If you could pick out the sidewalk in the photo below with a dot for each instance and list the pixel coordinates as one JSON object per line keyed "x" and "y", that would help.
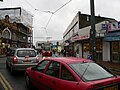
{"x": 114, "y": 67}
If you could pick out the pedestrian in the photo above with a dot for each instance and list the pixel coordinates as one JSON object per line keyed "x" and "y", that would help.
{"x": 7, "y": 51}
{"x": 77, "y": 53}
{"x": 64, "y": 52}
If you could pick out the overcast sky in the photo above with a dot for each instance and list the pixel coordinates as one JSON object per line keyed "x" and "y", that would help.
{"x": 63, "y": 17}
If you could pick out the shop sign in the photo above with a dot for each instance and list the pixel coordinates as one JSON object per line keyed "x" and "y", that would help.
{"x": 104, "y": 26}
{"x": 114, "y": 36}
{"x": 114, "y": 26}
{"x": 117, "y": 38}
{"x": 119, "y": 25}
{"x": 80, "y": 37}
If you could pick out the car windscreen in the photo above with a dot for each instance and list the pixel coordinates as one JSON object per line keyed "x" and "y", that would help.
{"x": 90, "y": 71}
{"x": 23, "y": 53}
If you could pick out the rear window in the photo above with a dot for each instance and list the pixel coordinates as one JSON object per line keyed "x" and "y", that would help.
{"x": 23, "y": 53}
{"x": 90, "y": 71}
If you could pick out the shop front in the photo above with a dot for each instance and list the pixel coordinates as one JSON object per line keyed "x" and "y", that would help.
{"x": 115, "y": 51}
{"x": 114, "y": 39}
{"x": 86, "y": 47}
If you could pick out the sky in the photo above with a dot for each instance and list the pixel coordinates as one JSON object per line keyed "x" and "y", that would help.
{"x": 46, "y": 24}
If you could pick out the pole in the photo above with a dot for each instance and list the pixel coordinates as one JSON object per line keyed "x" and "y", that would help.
{"x": 93, "y": 31}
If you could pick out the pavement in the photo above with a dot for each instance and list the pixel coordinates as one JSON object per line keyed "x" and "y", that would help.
{"x": 114, "y": 67}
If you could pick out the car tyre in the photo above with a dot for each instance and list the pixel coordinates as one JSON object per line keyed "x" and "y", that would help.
{"x": 28, "y": 82}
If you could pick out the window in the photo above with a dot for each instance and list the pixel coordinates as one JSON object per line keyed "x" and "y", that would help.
{"x": 90, "y": 71}
{"x": 88, "y": 19}
{"x": 39, "y": 44}
{"x": 42, "y": 65}
{"x": 23, "y": 53}
{"x": 53, "y": 69}
{"x": 66, "y": 75}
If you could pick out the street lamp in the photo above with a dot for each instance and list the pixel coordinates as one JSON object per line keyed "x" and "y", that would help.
{"x": 93, "y": 31}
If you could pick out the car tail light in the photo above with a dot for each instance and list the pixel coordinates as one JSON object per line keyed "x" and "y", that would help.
{"x": 15, "y": 59}
{"x": 37, "y": 59}
{"x": 43, "y": 58}
{"x": 49, "y": 52}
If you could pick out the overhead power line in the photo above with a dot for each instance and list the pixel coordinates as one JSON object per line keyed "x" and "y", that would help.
{"x": 54, "y": 13}
{"x": 30, "y": 5}
{"x": 48, "y": 23}
{"x": 49, "y": 12}
{"x": 62, "y": 6}
{"x": 58, "y": 8}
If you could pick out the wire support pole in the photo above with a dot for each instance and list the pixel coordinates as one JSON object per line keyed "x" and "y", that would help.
{"x": 93, "y": 31}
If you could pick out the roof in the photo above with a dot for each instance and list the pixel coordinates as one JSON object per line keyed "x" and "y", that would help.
{"x": 69, "y": 60}
{"x": 10, "y": 8}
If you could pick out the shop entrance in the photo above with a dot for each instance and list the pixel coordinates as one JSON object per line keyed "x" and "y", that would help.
{"x": 115, "y": 52}
{"x": 86, "y": 50}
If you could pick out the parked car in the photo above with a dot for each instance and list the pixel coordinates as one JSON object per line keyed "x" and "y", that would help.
{"x": 70, "y": 73}
{"x": 21, "y": 58}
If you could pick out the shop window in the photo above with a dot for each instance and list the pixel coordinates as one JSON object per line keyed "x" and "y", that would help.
{"x": 115, "y": 51}
{"x": 115, "y": 46}
{"x": 86, "y": 47}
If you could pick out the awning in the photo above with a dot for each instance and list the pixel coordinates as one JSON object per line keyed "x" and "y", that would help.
{"x": 114, "y": 36}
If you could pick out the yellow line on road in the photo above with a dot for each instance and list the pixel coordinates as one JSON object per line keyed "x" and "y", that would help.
{"x": 3, "y": 84}
{"x": 6, "y": 82}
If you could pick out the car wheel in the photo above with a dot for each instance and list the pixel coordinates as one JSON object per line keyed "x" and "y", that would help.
{"x": 28, "y": 82}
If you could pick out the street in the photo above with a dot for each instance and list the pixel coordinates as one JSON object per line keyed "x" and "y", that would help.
{"x": 11, "y": 82}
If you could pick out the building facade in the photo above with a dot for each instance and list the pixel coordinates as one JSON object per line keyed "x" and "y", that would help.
{"x": 15, "y": 28}
{"x": 112, "y": 39}
{"x": 77, "y": 37}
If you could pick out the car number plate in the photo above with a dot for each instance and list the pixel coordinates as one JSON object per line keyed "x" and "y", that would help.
{"x": 27, "y": 61}
{"x": 112, "y": 88}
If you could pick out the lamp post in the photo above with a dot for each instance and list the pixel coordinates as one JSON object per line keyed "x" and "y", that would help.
{"x": 93, "y": 31}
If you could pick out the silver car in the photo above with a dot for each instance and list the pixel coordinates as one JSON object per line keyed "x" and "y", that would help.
{"x": 21, "y": 58}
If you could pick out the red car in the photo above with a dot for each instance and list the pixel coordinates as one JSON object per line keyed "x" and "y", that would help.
{"x": 69, "y": 73}
{"x": 46, "y": 53}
